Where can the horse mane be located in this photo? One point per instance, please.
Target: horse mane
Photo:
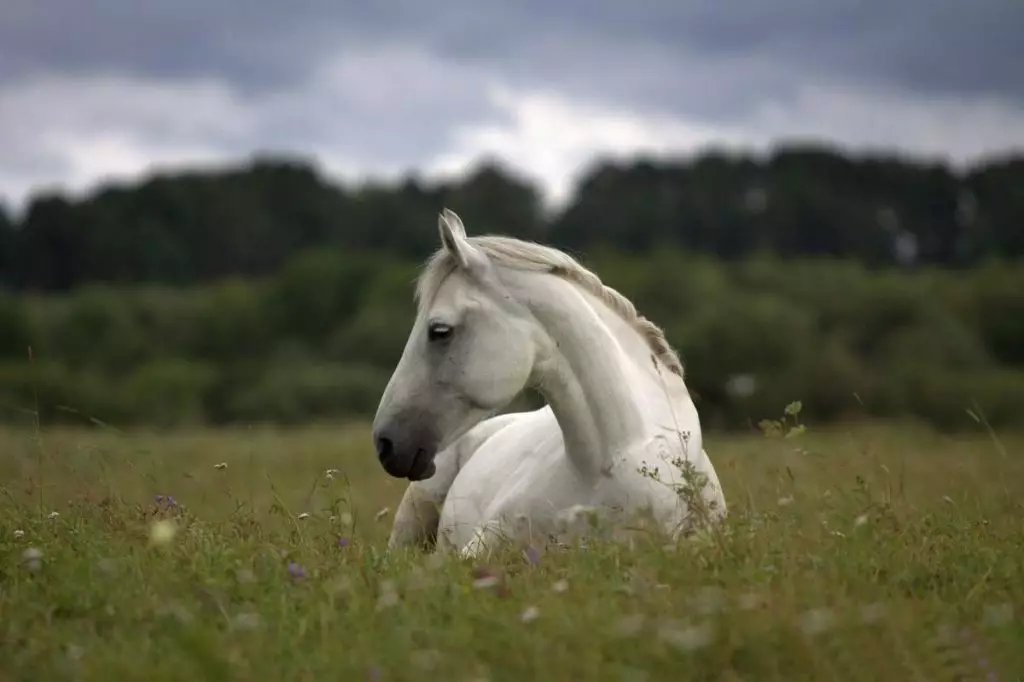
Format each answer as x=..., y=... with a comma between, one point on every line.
x=518, y=254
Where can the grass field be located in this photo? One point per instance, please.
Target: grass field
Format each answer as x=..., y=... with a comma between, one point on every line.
x=860, y=553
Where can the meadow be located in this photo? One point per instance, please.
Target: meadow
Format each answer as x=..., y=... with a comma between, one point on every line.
x=852, y=552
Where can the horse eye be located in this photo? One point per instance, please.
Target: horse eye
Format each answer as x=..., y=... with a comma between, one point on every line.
x=439, y=331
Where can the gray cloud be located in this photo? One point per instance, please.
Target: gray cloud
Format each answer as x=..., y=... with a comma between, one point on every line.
x=112, y=86
x=944, y=47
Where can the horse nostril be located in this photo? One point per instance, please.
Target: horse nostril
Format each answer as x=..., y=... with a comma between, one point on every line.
x=384, y=448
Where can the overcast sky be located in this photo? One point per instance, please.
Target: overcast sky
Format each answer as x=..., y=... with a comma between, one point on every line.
x=113, y=88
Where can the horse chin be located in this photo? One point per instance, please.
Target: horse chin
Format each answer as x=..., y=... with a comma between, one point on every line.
x=423, y=467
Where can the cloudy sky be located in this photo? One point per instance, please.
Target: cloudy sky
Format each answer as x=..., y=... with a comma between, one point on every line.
x=114, y=88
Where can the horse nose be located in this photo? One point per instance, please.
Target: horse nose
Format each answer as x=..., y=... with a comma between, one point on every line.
x=385, y=448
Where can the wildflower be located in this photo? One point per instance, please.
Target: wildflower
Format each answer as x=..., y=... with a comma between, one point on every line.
x=816, y=621
x=162, y=532
x=388, y=595
x=303, y=516
x=749, y=600
x=330, y=474
x=688, y=638
x=296, y=571
x=54, y=514
x=220, y=466
x=485, y=582
x=531, y=555
x=32, y=558
x=346, y=519
x=247, y=621
x=529, y=614
x=382, y=513
x=342, y=542
x=872, y=613
x=560, y=586
x=785, y=501
x=19, y=534
x=860, y=520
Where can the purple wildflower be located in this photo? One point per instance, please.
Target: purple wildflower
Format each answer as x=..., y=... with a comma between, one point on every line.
x=532, y=555
x=295, y=570
x=342, y=542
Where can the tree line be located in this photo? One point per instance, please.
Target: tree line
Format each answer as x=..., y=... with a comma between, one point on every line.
x=801, y=200
x=864, y=287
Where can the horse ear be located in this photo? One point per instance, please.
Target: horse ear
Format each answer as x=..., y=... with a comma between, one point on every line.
x=453, y=237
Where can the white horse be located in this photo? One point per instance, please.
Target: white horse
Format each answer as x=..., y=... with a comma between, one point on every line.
x=497, y=315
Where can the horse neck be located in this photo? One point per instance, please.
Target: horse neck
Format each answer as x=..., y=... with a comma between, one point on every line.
x=596, y=373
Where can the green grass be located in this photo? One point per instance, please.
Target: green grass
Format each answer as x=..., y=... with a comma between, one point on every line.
x=860, y=553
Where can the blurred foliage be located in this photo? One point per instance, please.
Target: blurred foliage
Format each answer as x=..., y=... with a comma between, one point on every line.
x=320, y=338
x=872, y=286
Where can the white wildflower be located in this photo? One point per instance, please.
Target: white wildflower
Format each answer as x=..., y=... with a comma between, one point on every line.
x=529, y=614
x=688, y=638
x=303, y=516
x=872, y=613
x=485, y=582
x=860, y=520
x=221, y=466
x=247, y=621
x=162, y=532
x=816, y=621
x=54, y=515
x=388, y=595
x=749, y=601
x=19, y=534
x=32, y=558
x=785, y=501
x=560, y=586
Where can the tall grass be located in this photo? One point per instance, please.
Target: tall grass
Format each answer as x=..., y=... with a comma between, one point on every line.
x=867, y=553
